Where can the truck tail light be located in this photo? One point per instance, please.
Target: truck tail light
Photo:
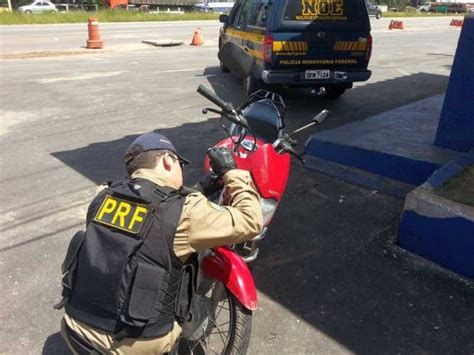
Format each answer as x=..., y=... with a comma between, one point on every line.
x=268, y=48
x=368, y=54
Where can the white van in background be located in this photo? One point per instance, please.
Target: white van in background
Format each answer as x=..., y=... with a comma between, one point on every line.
x=217, y=7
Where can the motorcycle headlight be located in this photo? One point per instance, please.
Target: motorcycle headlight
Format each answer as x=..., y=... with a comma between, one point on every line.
x=269, y=207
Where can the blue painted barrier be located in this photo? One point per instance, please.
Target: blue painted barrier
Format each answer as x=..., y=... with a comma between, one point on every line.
x=439, y=229
x=456, y=127
x=446, y=241
x=396, y=144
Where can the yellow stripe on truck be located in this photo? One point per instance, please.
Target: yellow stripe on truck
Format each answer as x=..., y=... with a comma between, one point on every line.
x=359, y=46
x=277, y=46
x=362, y=46
x=290, y=46
x=248, y=36
x=256, y=54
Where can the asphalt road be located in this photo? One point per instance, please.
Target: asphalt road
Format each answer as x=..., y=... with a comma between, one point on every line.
x=73, y=36
x=329, y=279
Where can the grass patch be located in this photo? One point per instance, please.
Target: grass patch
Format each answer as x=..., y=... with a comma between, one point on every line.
x=460, y=188
x=418, y=14
x=17, y=18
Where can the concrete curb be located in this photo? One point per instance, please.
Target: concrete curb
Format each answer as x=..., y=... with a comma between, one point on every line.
x=449, y=170
x=359, y=177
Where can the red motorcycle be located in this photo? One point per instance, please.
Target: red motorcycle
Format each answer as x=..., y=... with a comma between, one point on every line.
x=221, y=313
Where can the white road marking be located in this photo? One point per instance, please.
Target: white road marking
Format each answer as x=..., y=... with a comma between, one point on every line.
x=177, y=70
x=404, y=72
x=87, y=76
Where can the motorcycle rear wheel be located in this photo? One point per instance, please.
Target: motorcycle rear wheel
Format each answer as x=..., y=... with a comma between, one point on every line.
x=230, y=314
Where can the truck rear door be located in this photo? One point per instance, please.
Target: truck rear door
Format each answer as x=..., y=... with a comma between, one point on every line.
x=321, y=34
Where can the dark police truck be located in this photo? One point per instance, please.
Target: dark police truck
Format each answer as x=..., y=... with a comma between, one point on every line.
x=313, y=43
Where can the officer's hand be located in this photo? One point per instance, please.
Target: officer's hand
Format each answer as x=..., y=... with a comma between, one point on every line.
x=222, y=160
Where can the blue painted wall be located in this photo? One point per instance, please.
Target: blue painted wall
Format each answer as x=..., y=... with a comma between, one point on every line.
x=446, y=241
x=456, y=127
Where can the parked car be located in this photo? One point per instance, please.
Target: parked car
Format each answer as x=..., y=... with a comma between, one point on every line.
x=302, y=43
x=216, y=7
x=38, y=7
x=374, y=10
x=424, y=8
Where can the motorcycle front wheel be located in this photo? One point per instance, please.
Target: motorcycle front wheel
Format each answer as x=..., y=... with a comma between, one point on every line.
x=227, y=329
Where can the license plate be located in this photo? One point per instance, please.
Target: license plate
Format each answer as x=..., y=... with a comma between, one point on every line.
x=316, y=74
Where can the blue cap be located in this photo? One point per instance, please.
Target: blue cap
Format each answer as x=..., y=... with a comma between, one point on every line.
x=151, y=141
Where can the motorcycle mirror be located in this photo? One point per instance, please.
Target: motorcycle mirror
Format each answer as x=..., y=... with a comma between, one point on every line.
x=236, y=59
x=318, y=119
x=321, y=117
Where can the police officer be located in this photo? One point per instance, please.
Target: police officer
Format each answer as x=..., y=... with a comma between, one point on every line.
x=124, y=276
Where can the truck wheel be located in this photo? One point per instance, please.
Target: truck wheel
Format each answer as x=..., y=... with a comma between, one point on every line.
x=378, y=15
x=224, y=69
x=28, y=12
x=251, y=85
x=334, y=92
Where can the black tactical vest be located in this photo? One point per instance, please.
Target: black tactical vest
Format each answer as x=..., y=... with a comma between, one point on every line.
x=122, y=275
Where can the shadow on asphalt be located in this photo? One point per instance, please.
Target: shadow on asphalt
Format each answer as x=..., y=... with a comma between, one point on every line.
x=55, y=345
x=328, y=262
x=102, y=161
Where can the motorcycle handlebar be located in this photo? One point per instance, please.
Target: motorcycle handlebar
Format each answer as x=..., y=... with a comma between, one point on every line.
x=227, y=107
x=208, y=94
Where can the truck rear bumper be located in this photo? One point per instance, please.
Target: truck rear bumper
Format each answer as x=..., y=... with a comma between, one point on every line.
x=297, y=77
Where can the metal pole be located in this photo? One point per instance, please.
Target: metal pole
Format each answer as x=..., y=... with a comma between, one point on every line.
x=9, y=5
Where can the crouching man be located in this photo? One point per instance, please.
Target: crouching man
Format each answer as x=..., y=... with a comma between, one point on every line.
x=127, y=278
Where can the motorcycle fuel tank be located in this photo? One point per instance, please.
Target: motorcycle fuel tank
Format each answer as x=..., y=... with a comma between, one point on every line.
x=269, y=169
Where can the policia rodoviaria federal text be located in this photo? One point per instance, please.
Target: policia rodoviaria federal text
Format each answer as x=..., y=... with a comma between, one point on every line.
x=127, y=280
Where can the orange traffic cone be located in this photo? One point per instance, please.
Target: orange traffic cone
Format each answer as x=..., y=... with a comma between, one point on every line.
x=456, y=23
x=396, y=25
x=198, y=39
x=94, y=41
